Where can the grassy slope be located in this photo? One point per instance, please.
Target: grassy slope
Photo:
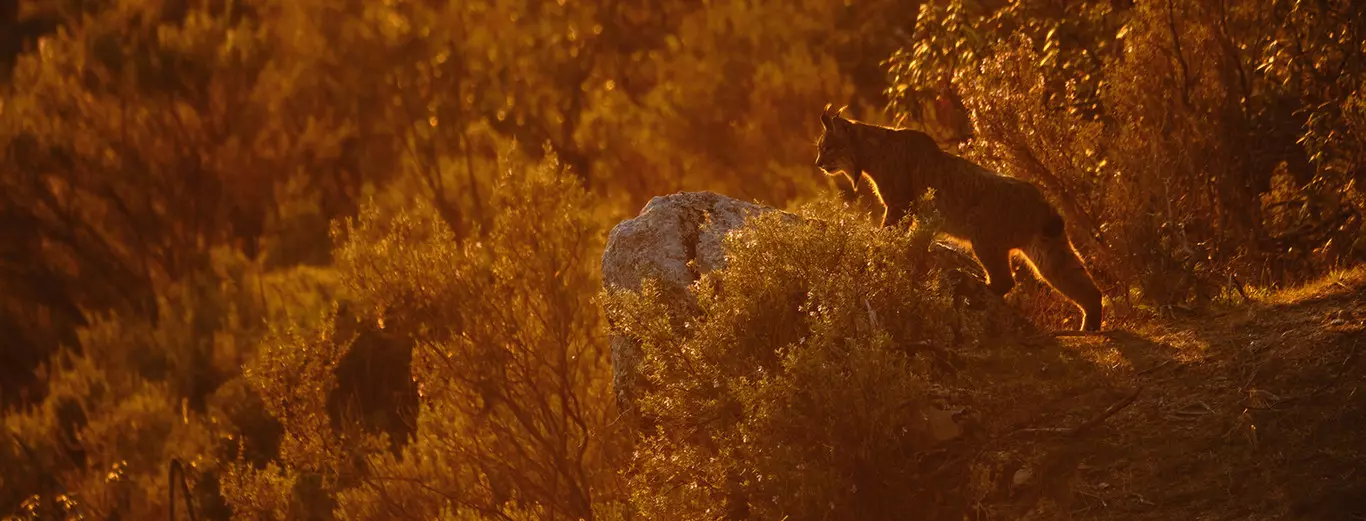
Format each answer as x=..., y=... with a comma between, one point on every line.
x=1255, y=412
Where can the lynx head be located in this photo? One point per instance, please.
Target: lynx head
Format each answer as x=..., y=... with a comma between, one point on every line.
x=835, y=148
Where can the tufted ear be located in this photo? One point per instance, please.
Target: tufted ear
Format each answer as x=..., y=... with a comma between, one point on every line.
x=827, y=117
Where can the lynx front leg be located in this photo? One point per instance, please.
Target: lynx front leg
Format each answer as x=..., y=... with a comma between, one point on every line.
x=996, y=261
x=1061, y=267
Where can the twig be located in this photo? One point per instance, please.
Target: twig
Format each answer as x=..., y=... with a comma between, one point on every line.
x=1238, y=285
x=1094, y=496
x=176, y=468
x=1154, y=368
x=1184, y=412
x=1110, y=411
x=1256, y=371
x=1088, y=424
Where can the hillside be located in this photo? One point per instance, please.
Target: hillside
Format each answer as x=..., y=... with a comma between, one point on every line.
x=315, y=260
x=1249, y=412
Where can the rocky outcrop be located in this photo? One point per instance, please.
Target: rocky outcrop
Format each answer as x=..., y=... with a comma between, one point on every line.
x=675, y=239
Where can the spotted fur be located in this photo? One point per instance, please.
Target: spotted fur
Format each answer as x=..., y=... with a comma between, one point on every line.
x=996, y=214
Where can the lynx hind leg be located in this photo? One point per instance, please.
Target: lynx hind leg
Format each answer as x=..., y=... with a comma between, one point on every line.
x=995, y=260
x=1058, y=264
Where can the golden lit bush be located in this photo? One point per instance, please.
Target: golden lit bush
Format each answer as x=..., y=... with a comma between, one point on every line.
x=141, y=393
x=99, y=445
x=169, y=173
x=506, y=352
x=1187, y=143
x=797, y=389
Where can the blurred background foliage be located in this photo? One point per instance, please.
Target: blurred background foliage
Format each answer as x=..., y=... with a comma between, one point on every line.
x=339, y=257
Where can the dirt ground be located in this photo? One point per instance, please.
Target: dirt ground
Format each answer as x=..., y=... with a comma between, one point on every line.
x=1257, y=411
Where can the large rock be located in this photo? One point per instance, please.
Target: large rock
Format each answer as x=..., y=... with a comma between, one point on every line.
x=675, y=239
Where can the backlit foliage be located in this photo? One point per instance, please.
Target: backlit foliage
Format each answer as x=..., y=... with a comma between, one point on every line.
x=1191, y=143
x=506, y=354
x=170, y=171
x=339, y=258
x=798, y=389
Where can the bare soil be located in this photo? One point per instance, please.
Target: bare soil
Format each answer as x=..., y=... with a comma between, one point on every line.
x=1256, y=411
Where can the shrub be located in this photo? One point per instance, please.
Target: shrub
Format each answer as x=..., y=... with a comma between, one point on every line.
x=99, y=445
x=1192, y=145
x=505, y=350
x=797, y=389
x=141, y=392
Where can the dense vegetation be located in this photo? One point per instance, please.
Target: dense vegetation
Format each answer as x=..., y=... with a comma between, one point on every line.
x=341, y=258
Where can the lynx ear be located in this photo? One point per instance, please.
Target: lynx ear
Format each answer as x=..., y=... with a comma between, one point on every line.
x=826, y=116
x=840, y=111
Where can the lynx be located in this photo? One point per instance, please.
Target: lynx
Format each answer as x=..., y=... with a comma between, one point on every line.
x=994, y=213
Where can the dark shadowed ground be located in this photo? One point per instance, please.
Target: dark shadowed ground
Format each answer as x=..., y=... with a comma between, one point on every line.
x=1251, y=412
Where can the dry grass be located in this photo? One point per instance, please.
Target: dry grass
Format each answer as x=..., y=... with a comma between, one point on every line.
x=1336, y=283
